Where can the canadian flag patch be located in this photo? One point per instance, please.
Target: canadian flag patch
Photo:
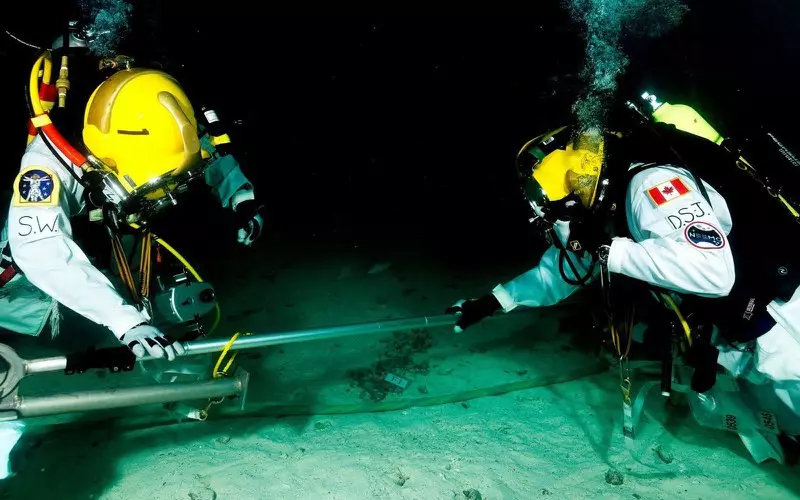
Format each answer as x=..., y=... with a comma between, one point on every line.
x=667, y=191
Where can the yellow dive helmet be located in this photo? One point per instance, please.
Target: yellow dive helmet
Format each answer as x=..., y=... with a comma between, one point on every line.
x=140, y=124
x=556, y=165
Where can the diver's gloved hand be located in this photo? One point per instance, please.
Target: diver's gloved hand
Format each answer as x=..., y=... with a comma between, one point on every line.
x=473, y=310
x=145, y=339
x=249, y=221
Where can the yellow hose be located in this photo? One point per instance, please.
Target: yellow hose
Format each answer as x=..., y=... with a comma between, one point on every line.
x=48, y=68
x=684, y=323
x=174, y=253
x=170, y=249
x=33, y=84
x=217, y=373
x=789, y=206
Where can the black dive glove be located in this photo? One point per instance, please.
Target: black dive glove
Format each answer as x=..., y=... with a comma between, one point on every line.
x=249, y=222
x=473, y=310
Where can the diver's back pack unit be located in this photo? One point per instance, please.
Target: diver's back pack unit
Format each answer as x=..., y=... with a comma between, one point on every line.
x=764, y=222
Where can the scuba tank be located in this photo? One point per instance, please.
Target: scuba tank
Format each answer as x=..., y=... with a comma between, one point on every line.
x=682, y=117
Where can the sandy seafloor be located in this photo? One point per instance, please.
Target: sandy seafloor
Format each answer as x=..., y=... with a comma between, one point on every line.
x=314, y=428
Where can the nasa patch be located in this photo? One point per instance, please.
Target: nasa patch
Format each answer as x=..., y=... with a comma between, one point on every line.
x=704, y=236
x=36, y=186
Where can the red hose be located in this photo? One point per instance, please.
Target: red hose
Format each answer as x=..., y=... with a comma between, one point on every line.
x=63, y=145
x=48, y=92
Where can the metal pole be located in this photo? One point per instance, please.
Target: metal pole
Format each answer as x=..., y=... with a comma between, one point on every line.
x=123, y=398
x=168, y=393
x=44, y=365
x=268, y=339
x=59, y=363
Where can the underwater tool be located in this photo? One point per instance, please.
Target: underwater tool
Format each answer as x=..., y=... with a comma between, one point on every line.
x=14, y=406
x=120, y=359
x=180, y=301
x=180, y=298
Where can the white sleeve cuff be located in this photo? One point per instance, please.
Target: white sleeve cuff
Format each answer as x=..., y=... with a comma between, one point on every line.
x=240, y=196
x=617, y=253
x=506, y=300
x=126, y=319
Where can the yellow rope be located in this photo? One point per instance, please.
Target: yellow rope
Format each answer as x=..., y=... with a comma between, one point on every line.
x=221, y=373
x=625, y=383
x=625, y=386
x=217, y=373
x=616, y=340
x=122, y=266
x=144, y=264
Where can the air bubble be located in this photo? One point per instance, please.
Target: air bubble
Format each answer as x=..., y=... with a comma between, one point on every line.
x=606, y=24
